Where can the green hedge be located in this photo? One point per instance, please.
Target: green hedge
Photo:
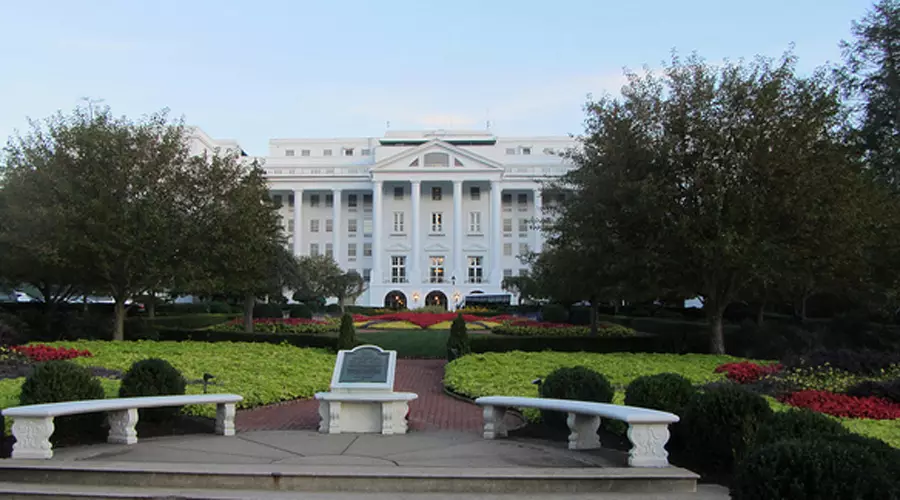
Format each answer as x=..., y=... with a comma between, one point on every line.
x=294, y=339
x=182, y=322
x=640, y=342
x=604, y=329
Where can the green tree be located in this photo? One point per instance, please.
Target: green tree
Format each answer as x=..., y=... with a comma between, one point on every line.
x=348, y=287
x=458, y=341
x=705, y=174
x=106, y=197
x=319, y=277
x=347, y=336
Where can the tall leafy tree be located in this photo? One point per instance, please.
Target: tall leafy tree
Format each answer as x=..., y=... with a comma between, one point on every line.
x=706, y=174
x=320, y=277
x=104, y=197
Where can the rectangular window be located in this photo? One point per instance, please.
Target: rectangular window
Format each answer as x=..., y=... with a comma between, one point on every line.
x=507, y=225
x=290, y=200
x=398, y=269
x=523, y=248
x=348, y=151
x=276, y=199
x=523, y=272
x=436, y=194
x=367, y=227
x=367, y=275
x=507, y=198
x=288, y=152
x=523, y=225
x=367, y=249
x=398, y=222
x=351, y=200
x=526, y=151
x=329, y=250
x=476, y=271
x=314, y=225
x=507, y=249
x=437, y=222
x=351, y=250
x=367, y=200
x=366, y=152
x=510, y=151
x=436, y=272
x=329, y=225
x=398, y=193
x=475, y=222
x=327, y=152
x=314, y=200
x=507, y=273
x=475, y=193
x=329, y=200
x=314, y=249
x=304, y=152
x=523, y=198
x=352, y=227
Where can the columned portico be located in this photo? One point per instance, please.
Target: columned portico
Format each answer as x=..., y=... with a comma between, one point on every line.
x=298, y=221
x=377, y=231
x=416, y=228
x=496, y=274
x=539, y=216
x=336, y=226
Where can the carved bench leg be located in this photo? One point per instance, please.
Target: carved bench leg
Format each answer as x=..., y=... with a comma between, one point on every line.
x=332, y=416
x=323, y=417
x=583, y=431
x=393, y=417
x=494, y=426
x=121, y=426
x=225, y=419
x=648, y=445
x=32, y=437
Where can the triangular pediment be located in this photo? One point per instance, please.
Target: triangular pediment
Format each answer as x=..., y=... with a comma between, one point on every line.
x=437, y=247
x=436, y=155
x=475, y=247
x=398, y=247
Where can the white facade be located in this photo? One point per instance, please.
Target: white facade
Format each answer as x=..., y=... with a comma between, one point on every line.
x=427, y=217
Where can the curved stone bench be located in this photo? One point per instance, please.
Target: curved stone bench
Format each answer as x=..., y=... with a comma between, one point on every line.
x=648, y=430
x=33, y=424
x=350, y=412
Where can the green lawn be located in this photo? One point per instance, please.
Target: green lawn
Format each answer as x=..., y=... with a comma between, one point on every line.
x=409, y=343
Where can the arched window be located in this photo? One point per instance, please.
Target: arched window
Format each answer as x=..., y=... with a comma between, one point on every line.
x=437, y=160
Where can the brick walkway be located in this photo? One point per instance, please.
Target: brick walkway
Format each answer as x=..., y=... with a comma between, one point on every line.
x=432, y=410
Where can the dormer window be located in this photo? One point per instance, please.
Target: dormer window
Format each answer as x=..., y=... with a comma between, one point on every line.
x=510, y=151
x=526, y=151
x=304, y=152
x=288, y=152
x=327, y=152
x=348, y=151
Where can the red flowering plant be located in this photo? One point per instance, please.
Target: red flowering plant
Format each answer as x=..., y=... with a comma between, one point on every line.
x=746, y=372
x=842, y=405
x=40, y=352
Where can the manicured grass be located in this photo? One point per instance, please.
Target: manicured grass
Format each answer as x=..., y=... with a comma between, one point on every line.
x=409, y=344
x=262, y=373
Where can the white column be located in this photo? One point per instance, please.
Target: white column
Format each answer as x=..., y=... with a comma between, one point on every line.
x=458, y=223
x=298, y=221
x=416, y=230
x=539, y=215
x=496, y=239
x=377, y=230
x=336, y=226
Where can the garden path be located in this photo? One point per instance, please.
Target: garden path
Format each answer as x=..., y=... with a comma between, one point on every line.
x=431, y=411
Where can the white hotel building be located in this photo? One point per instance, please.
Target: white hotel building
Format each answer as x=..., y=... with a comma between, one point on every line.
x=426, y=217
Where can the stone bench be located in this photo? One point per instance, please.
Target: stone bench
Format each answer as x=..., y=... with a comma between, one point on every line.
x=33, y=424
x=648, y=430
x=352, y=412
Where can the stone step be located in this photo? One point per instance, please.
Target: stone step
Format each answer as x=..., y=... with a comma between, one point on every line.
x=349, y=479
x=29, y=491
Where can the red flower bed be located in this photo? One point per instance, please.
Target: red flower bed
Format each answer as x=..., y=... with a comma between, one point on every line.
x=842, y=405
x=746, y=372
x=279, y=321
x=41, y=352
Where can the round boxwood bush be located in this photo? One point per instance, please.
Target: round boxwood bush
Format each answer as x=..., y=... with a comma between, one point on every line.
x=153, y=377
x=813, y=469
x=554, y=313
x=576, y=383
x=300, y=311
x=269, y=311
x=664, y=391
x=58, y=381
x=796, y=424
x=720, y=424
x=458, y=341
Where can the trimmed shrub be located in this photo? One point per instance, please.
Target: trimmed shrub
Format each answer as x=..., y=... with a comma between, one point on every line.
x=796, y=424
x=220, y=308
x=888, y=389
x=458, y=341
x=664, y=391
x=347, y=337
x=269, y=310
x=12, y=329
x=58, y=381
x=720, y=424
x=300, y=311
x=333, y=309
x=813, y=469
x=153, y=377
x=577, y=383
x=554, y=313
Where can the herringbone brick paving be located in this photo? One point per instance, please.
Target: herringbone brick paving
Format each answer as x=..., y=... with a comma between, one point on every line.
x=433, y=409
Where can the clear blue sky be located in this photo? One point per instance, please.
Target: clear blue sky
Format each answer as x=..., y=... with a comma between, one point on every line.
x=255, y=70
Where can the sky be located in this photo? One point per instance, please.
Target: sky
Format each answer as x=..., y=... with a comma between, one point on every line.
x=263, y=69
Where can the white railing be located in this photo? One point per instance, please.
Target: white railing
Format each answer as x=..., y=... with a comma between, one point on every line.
x=312, y=171
x=537, y=171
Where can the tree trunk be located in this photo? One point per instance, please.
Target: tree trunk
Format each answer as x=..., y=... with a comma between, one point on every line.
x=716, y=331
x=119, y=329
x=760, y=313
x=151, y=308
x=249, y=302
x=803, y=307
x=594, y=308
